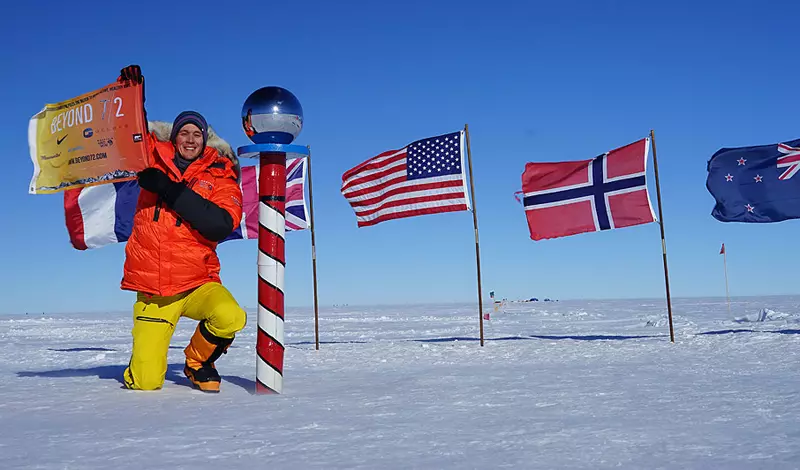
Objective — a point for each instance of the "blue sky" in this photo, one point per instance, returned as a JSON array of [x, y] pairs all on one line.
[[535, 81]]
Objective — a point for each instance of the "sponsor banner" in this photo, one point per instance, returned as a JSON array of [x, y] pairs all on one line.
[[96, 138]]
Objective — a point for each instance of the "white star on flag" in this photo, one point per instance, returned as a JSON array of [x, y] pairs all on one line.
[[728, 177], [741, 161], [749, 208], [758, 178]]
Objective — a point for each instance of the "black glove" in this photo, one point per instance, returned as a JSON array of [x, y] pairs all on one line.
[[132, 73], [156, 181]]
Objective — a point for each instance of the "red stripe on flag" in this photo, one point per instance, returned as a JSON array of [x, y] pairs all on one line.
[[270, 350], [405, 189], [294, 193], [371, 164], [379, 187], [291, 164], [413, 212], [74, 219], [411, 200], [380, 171]]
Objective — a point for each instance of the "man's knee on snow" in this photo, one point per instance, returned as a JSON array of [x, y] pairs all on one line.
[[144, 378]]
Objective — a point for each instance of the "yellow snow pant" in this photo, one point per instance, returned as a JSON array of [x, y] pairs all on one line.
[[154, 320]]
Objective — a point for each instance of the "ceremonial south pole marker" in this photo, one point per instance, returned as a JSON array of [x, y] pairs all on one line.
[[272, 118]]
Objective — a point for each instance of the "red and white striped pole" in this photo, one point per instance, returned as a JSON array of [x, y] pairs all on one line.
[[272, 118], [271, 266]]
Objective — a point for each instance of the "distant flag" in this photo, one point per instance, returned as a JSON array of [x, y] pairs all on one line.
[[101, 215], [603, 193], [757, 184], [425, 177], [725, 266]]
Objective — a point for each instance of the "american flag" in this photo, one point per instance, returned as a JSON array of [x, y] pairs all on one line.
[[425, 177]]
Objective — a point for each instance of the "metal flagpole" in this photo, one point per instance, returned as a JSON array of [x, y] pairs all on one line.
[[663, 241], [725, 265], [475, 224], [313, 250]]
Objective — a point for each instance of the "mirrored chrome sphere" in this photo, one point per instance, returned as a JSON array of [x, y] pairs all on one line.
[[272, 115]]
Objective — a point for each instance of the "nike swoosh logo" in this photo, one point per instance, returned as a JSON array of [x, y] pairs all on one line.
[[58, 141]]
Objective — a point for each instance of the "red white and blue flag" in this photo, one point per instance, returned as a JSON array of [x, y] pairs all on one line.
[[101, 215], [425, 177], [603, 193], [790, 160], [755, 184]]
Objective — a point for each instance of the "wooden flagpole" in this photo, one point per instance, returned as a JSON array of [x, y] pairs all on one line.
[[313, 251], [663, 241], [475, 225], [725, 265]]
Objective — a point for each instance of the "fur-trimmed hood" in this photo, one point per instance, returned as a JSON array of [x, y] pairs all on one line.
[[162, 130]]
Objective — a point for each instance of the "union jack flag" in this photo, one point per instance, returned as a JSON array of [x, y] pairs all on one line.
[[790, 160]]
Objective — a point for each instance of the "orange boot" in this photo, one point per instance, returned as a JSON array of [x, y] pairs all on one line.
[[201, 353]]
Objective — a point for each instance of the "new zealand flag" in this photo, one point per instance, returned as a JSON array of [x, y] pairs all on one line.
[[756, 184]]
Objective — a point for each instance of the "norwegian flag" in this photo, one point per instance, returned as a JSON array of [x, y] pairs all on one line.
[[603, 193], [790, 160]]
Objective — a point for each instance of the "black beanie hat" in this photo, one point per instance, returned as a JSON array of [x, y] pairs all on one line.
[[189, 117]]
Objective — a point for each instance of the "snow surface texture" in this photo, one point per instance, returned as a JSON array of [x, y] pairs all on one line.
[[557, 385]]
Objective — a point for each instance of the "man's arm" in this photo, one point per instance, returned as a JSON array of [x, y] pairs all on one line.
[[212, 221], [213, 218]]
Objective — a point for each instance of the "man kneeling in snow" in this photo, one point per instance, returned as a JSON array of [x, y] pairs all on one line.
[[190, 201]]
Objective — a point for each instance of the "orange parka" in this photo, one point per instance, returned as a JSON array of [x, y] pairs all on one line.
[[165, 255]]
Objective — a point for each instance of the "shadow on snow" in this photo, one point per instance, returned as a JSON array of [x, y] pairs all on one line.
[[725, 332], [547, 337], [174, 375], [80, 349], [453, 339]]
